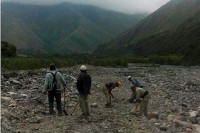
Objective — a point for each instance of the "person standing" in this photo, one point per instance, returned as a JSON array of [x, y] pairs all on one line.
[[142, 100], [107, 91], [83, 87], [52, 86]]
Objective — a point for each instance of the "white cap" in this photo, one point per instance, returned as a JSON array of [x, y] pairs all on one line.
[[129, 77], [83, 67]]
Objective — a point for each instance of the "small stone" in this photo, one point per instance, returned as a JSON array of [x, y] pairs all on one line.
[[153, 115], [193, 116], [23, 96], [120, 131], [198, 113], [12, 105], [4, 112], [7, 82], [157, 124], [163, 116], [184, 105], [94, 105], [2, 78], [38, 119], [171, 118], [174, 109], [15, 81], [163, 128], [153, 120], [12, 102], [188, 130], [179, 123], [198, 120], [5, 99], [196, 128]]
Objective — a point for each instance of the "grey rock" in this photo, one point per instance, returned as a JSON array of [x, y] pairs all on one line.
[[184, 105], [94, 105], [198, 113], [15, 82], [23, 96], [157, 124], [188, 130], [198, 120], [193, 116], [7, 83], [163, 128]]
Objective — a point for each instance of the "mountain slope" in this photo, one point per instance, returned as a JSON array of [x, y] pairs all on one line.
[[61, 28], [172, 29]]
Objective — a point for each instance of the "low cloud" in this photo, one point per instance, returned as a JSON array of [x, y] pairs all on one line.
[[126, 6]]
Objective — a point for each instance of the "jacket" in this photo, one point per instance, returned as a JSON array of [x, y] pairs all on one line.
[[140, 93], [83, 83], [49, 80], [136, 82], [110, 86]]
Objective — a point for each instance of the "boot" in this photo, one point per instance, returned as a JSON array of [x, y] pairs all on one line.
[[52, 112], [108, 105], [59, 113]]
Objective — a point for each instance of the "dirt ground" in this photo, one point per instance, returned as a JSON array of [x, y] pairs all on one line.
[[165, 84]]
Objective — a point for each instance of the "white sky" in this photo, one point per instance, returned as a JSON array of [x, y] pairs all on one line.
[[126, 6]]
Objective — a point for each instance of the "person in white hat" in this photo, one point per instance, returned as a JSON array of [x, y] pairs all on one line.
[[83, 87]]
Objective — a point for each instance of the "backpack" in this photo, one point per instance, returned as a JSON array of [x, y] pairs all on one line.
[[53, 85]]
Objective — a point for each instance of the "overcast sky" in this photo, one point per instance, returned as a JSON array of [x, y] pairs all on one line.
[[126, 6]]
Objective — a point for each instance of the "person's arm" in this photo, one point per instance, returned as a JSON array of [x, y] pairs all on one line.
[[79, 83], [46, 83], [62, 80], [138, 96], [112, 95], [90, 82]]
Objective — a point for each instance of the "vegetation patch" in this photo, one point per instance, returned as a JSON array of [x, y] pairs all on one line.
[[24, 63]]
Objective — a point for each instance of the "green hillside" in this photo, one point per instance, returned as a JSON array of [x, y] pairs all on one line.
[[172, 29], [61, 29]]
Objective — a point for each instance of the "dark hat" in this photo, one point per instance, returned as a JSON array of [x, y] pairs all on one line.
[[52, 67]]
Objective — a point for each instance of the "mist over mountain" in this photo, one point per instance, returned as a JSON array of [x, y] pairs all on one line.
[[61, 29], [172, 29]]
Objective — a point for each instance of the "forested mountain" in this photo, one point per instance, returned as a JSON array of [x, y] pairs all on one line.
[[172, 29], [61, 29]]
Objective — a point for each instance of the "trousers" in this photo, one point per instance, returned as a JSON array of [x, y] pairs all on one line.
[[57, 95], [107, 95], [83, 100]]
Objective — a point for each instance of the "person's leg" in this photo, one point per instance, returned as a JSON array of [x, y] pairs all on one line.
[[105, 92], [58, 102], [146, 101], [107, 95], [132, 98], [86, 105], [81, 102], [51, 102]]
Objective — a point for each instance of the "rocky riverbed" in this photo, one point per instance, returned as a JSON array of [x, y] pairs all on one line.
[[174, 105]]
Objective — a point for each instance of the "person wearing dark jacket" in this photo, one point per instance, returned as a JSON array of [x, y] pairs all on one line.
[[107, 91], [83, 87]]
